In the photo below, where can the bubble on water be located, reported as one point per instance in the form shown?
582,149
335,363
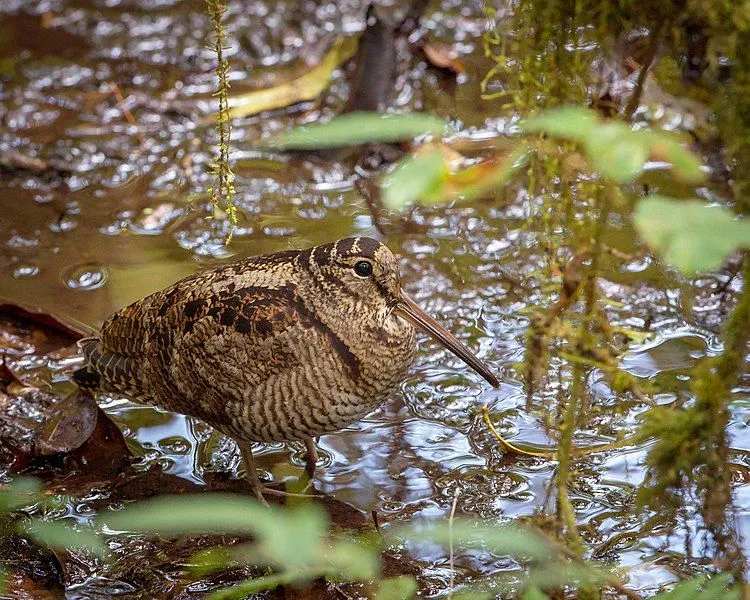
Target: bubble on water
89,276
25,270
63,224
153,220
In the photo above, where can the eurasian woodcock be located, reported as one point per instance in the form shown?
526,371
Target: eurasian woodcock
287,346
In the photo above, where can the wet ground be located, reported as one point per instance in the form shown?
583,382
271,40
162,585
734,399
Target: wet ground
105,100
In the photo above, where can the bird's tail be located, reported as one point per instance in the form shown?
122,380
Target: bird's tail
87,377
107,371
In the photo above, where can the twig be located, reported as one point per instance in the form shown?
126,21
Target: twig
507,445
456,494
117,92
635,97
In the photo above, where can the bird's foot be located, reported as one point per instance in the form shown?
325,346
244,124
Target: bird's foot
302,494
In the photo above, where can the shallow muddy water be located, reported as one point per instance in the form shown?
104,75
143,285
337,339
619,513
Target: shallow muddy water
115,214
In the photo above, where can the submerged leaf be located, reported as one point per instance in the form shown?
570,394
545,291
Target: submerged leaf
359,128
305,87
691,236
69,427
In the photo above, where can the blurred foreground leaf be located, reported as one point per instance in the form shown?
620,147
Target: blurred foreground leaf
702,588
295,541
534,593
693,237
612,147
19,493
350,560
402,587
417,176
305,87
498,539
181,515
61,534
425,178
359,128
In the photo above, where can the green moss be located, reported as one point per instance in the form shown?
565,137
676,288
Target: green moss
690,446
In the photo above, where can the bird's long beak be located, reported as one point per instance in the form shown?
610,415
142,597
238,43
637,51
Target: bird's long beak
410,309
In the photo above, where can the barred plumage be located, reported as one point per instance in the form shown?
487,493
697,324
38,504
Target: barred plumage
286,346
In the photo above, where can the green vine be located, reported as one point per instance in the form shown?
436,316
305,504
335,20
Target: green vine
222,192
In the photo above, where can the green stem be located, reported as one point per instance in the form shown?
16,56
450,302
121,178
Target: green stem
258,584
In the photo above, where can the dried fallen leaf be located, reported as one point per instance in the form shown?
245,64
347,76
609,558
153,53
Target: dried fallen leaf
68,428
306,87
444,56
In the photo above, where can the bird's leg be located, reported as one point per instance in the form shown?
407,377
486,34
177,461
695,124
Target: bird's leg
251,474
311,457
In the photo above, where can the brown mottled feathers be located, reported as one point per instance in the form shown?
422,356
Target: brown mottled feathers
262,349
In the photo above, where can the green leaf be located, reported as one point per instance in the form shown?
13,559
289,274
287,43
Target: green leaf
717,589
294,537
688,234
612,147
480,178
19,493
685,164
57,534
534,593
255,585
359,128
616,152
349,560
702,588
500,539
568,122
416,177
205,513
473,593
402,587
686,590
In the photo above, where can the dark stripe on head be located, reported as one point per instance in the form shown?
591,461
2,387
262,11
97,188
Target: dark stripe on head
357,246
344,247
367,246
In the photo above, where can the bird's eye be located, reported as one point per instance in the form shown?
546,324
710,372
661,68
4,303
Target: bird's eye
363,268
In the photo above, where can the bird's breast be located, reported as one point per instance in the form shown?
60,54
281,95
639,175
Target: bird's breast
386,352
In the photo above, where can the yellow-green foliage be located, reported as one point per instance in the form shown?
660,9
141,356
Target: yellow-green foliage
690,443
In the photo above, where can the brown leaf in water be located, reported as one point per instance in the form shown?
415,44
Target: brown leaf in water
72,329
308,86
67,429
444,56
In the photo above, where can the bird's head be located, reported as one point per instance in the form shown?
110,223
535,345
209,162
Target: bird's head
363,273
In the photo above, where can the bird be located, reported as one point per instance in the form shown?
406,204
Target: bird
274,348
